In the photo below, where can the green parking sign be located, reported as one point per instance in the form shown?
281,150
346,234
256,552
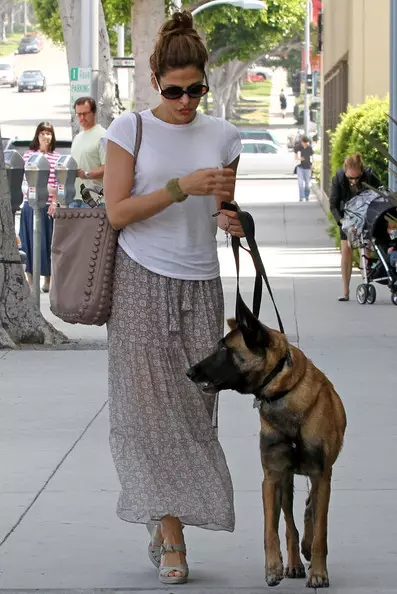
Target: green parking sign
80,83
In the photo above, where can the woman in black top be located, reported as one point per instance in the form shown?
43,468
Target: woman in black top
345,185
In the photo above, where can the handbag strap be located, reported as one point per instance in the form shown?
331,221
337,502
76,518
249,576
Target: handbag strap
248,225
138,136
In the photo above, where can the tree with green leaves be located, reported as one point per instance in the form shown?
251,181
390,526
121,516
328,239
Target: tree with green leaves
235,38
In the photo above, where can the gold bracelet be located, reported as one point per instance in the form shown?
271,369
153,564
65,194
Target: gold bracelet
175,190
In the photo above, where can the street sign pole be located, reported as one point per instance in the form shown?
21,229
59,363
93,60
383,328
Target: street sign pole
307,67
95,48
89,42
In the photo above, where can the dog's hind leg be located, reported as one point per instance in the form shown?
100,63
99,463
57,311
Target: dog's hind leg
295,568
321,491
272,497
306,545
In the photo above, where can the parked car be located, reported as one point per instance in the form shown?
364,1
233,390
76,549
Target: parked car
7,74
261,72
32,80
259,135
22,145
262,158
29,45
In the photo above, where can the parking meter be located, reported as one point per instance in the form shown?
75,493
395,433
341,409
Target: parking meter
37,171
15,166
66,174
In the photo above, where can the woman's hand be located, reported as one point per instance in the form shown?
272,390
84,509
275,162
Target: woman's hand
51,209
52,193
207,182
228,221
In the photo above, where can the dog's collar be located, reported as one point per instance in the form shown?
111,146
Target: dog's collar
269,378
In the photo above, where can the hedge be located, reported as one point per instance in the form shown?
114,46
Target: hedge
369,119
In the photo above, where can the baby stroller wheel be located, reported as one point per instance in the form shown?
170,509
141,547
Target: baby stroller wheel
362,294
371,297
394,298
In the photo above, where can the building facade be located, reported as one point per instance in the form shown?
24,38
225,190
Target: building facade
355,60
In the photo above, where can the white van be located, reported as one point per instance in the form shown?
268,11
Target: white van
7,74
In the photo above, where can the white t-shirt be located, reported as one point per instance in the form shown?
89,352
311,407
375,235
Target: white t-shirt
180,241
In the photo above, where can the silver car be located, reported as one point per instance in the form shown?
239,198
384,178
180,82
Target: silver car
7,74
32,80
261,158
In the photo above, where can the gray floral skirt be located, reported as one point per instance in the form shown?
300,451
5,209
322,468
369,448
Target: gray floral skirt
163,433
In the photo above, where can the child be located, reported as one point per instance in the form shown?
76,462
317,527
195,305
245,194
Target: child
392,232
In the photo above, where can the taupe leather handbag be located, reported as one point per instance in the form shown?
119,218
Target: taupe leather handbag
83,253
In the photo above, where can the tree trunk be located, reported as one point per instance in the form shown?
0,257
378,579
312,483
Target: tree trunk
147,18
20,318
232,100
3,19
108,106
11,19
224,86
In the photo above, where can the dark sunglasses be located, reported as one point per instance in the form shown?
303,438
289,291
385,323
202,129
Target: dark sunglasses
195,91
354,178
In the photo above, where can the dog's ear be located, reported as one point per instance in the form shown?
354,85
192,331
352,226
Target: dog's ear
232,323
256,335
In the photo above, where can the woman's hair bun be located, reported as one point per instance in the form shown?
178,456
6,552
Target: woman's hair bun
179,23
178,45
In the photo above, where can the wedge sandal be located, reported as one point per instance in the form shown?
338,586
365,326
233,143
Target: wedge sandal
165,570
154,548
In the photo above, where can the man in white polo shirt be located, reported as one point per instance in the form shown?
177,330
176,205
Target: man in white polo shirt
87,149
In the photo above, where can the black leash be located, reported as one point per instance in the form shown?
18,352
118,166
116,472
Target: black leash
248,225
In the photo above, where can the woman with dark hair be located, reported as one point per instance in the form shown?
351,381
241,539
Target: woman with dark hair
168,304
346,184
44,142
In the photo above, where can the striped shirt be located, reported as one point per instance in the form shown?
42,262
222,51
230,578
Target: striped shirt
52,158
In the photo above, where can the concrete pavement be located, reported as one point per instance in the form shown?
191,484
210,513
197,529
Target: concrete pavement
59,532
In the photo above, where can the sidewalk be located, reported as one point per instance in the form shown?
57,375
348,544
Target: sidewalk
279,81
58,529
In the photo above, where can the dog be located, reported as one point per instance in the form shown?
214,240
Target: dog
303,423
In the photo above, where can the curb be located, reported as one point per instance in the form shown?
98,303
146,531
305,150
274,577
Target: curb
321,197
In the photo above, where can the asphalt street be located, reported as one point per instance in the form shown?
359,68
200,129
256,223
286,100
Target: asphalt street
21,112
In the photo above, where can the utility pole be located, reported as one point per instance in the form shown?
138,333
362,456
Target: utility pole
393,94
89,41
307,66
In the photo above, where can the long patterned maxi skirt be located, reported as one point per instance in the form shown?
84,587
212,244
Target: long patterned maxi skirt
163,434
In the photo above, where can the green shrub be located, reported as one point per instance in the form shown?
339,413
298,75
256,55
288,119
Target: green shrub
368,120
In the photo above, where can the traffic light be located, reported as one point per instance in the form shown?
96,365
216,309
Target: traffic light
309,83
296,84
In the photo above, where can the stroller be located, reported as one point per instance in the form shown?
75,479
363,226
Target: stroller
366,229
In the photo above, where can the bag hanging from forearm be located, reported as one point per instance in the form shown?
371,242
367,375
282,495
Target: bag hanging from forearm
83,254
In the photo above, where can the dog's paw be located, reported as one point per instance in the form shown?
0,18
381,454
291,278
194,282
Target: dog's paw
317,579
295,571
274,575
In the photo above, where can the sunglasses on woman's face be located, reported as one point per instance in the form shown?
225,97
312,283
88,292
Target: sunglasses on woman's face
194,91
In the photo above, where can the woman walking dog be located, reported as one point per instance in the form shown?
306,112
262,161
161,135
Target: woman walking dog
168,303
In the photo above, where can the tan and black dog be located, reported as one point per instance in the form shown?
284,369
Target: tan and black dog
303,423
